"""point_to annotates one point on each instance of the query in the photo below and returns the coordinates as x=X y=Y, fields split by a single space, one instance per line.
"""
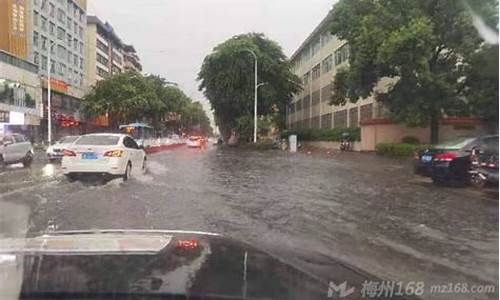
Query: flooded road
x=367 y=211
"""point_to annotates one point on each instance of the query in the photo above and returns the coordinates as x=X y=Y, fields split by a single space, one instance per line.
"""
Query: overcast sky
x=173 y=36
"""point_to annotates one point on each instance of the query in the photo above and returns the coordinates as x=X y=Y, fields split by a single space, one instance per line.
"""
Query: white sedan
x=110 y=155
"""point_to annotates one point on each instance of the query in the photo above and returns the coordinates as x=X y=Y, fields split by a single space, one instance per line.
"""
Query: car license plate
x=426 y=158
x=89 y=155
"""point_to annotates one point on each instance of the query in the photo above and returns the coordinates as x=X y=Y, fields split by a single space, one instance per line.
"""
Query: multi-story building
x=35 y=30
x=105 y=50
x=131 y=59
x=316 y=61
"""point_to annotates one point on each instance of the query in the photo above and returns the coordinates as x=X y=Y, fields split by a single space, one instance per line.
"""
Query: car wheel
x=71 y=177
x=477 y=181
x=144 y=166
x=128 y=171
x=438 y=180
x=27 y=160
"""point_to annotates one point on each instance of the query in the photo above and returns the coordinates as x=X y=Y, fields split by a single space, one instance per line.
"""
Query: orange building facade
x=13 y=27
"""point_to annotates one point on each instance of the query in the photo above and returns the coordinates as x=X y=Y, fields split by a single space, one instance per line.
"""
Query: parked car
x=15 y=148
x=452 y=162
x=108 y=155
x=485 y=164
x=422 y=162
x=55 y=152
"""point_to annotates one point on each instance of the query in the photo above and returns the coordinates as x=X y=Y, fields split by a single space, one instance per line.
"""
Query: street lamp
x=255 y=96
x=49 y=100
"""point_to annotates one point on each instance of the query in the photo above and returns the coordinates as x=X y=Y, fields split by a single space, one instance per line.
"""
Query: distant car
x=195 y=142
x=55 y=152
x=15 y=148
x=109 y=155
x=451 y=162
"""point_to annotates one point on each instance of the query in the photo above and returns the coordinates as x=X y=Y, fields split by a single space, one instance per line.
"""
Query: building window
x=61 y=52
x=52 y=10
x=44 y=23
x=306 y=78
x=70 y=39
x=44 y=43
x=81 y=63
x=35 y=39
x=69 y=23
x=366 y=112
x=52 y=66
x=69 y=5
x=80 y=48
x=61 y=33
x=326 y=121
x=36 y=18
x=44 y=62
x=52 y=48
x=68 y=60
x=316 y=72
x=102 y=59
x=117 y=59
x=75 y=28
x=315 y=47
x=75 y=44
x=61 y=16
x=70 y=74
x=327 y=64
x=342 y=54
x=353 y=117
x=115 y=69
x=80 y=32
x=53 y=29
x=36 y=58
x=326 y=38
x=101 y=72
x=75 y=60
x=43 y=5
x=315 y=98
x=340 y=119
x=102 y=46
x=326 y=93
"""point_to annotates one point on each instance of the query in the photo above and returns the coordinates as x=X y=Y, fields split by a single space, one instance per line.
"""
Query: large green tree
x=423 y=45
x=129 y=97
x=227 y=80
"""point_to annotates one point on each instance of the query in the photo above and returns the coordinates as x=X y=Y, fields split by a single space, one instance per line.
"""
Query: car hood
x=89 y=264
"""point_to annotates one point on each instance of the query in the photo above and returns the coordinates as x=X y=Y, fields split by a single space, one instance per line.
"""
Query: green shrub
x=410 y=140
x=327 y=135
x=396 y=150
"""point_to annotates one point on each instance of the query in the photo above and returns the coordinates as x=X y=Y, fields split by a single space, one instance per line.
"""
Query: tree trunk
x=434 y=129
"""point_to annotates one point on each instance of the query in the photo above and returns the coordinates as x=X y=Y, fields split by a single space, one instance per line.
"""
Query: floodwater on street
x=367 y=211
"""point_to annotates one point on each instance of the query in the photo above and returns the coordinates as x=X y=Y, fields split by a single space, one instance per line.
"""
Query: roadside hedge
x=398 y=150
x=326 y=135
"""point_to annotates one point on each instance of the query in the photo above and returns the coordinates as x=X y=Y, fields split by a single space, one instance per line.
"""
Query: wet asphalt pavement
x=367 y=211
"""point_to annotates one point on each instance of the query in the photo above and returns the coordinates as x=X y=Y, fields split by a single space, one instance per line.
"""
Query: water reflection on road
x=365 y=210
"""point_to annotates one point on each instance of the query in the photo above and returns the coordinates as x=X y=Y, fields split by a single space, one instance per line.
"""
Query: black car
x=422 y=162
x=452 y=161
x=154 y=264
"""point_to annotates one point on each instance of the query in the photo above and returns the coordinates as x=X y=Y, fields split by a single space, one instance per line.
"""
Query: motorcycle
x=346 y=142
x=483 y=171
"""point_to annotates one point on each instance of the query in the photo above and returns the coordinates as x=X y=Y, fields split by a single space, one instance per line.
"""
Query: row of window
x=314 y=47
x=71 y=8
x=339 y=118
x=47 y=25
x=62 y=51
x=341 y=55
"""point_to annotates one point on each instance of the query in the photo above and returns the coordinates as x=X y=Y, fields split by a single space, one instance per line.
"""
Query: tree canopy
x=227 y=80
x=130 y=96
x=426 y=46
